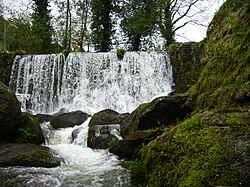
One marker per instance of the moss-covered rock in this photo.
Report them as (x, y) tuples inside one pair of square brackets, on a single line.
[(129, 147), (30, 130), (27, 155), (6, 61), (162, 111), (10, 114), (225, 79), (186, 63), (195, 154)]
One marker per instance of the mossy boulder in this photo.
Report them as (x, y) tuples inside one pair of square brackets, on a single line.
[(30, 130), (27, 155), (162, 111), (130, 146), (195, 154), (225, 79), (6, 61), (186, 63), (69, 119), (101, 128), (10, 114)]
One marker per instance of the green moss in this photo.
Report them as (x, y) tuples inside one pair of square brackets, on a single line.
[(192, 154), (226, 76), (186, 63), (120, 53), (141, 107), (137, 172)]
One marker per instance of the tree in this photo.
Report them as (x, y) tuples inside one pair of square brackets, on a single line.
[(142, 18), (82, 12), (1, 8), (41, 26), (101, 24), (139, 20)]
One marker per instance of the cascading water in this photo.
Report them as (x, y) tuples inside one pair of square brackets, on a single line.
[(93, 81), (89, 82)]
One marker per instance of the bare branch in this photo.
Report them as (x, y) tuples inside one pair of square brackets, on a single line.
[(183, 25), (186, 12)]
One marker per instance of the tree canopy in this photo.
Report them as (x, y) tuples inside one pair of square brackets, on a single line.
[(94, 24)]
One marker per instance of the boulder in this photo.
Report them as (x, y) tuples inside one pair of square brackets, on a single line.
[(162, 111), (30, 130), (130, 146), (44, 117), (10, 114), (69, 119), (27, 155), (104, 128), (106, 117), (104, 141)]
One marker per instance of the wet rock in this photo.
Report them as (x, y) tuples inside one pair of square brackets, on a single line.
[(104, 129), (10, 114), (104, 141), (44, 117), (27, 155), (30, 130), (161, 111), (69, 119), (107, 116), (75, 132), (130, 146)]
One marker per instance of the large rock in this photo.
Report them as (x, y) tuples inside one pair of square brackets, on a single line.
[(161, 111), (10, 114), (44, 117), (104, 129), (209, 148), (30, 130), (106, 117), (69, 119), (186, 63), (130, 146), (27, 155)]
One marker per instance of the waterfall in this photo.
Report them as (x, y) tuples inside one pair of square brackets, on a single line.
[(90, 81)]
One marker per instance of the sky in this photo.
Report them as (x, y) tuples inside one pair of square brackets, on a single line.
[(188, 33)]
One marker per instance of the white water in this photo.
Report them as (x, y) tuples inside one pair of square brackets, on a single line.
[(89, 82)]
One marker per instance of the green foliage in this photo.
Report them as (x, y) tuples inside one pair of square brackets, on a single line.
[(41, 26), (26, 134), (138, 20), (101, 24), (120, 53)]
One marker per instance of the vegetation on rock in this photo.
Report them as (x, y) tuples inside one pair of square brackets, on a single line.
[(27, 155), (194, 154), (30, 130), (225, 79), (211, 147)]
